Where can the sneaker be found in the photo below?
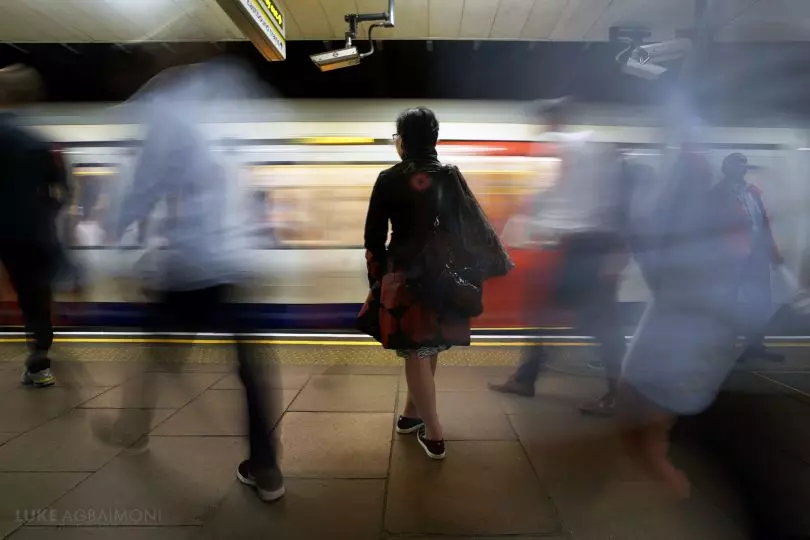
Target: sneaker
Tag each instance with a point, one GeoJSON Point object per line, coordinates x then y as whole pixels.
{"type": "Point", "coordinates": [407, 425]}
{"type": "Point", "coordinates": [38, 379]}
{"type": "Point", "coordinates": [269, 483]}
{"type": "Point", "coordinates": [596, 365]}
{"type": "Point", "coordinates": [434, 449]}
{"type": "Point", "coordinates": [513, 386]}
{"type": "Point", "coordinates": [759, 352]}
{"type": "Point", "coordinates": [605, 407]}
{"type": "Point", "coordinates": [138, 447]}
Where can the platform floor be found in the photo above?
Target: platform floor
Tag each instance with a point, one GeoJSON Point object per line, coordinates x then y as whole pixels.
{"type": "Point", "coordinates": [516, 467]}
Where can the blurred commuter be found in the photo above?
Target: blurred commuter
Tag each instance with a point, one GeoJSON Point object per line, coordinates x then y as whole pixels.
{"type": "Point", "coordinates": [425, 201]}
{"type": "Point", "coordinates": [33, 187]}
{"type": "Point", "coordinates": [582, 216]}
{"type": "Point", "coordinates": [740, 214]}
{"type": "Point", "coordinates": [205, 260]}
{"type": "Point", "coordinates": [683, 348]}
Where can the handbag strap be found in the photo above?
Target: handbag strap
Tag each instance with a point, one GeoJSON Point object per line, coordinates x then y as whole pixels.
{"type": "Point", "coordinates": [446, 173]}
{"type": "Point", "coordinates": [439, 200]}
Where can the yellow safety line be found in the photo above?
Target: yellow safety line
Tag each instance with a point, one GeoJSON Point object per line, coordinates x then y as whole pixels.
{"type": "Point", "coordinates": [783, 385]}
{"type": "Point", "coordinates": [335, 342]}
{"type": "Point", "coordinates": [339, 343]}
{"type": "Point", "coordinates": [523, 328]}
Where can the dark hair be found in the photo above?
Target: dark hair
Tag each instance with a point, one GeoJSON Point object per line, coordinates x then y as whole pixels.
{"type": "Point", "coordinates": [418, 128]}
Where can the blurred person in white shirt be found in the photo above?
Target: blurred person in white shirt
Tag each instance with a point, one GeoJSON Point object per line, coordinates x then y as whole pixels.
{"type": "Point", "coordinates": [581, 215]}
{"type": "Point", "coordinates": [203, 260]}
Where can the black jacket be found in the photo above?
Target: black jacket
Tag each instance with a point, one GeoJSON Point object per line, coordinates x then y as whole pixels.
{"type": "Point", "coordinates": [33, 185]}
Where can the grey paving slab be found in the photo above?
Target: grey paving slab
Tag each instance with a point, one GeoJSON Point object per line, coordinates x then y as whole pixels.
{"type": "Point", "coordinates": [555, 392]}
{"type": "Point", "coordinates": [469, 416]}
{"type": "Point", "coordinates": [73, 373]}
{"type": "Point", "coordinates": [348, 393]}
{"type": "Point", "coordinates": [709, 478]}
{"type": "Point", "coordinates": [219, 412]}
{"type": "Point", "coordinates": [796, 382]}
{"type": "Point", "coordinates": [466, 378]}
{"type": "Point", "coordinates": [481, 488]}
{"type": "Point", "coordinates": [25, 408]}
{"type": "Point", "coordinates": [171, 390]}
{"type": "Point", "coordinates": [637, 511]}
{"type": "Point", "coordinates": [456, 537]}
{"type": "Point", "coordinates": [178, 481]}
{"type": "Point", "coordinates": [311, 509]}
{"type": "Point", "coordinates": [68, 443]}
{"type": "Point", "coordinates": [5, 437]}
{"type": "Point", "coordinates": [567, 445]}
{"type": "Point", "coordinates": [286, 377]}
{"type": "Point", "coordinates": [27, 496]}
{"type": "Point", "coordinates": [106, 533]}
{"type": "Point", "coordinates": [336, 445]}
{"type": "Point", "coordinates": [363, 370]}
{"type": "Point", "coordinates": [7, 527]}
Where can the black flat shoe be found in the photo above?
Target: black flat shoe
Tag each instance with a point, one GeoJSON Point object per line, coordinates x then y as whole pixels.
{"type": "Point", "coordinates": [433, 449]}
{"type": "Point", "coordinates": [407, 425]}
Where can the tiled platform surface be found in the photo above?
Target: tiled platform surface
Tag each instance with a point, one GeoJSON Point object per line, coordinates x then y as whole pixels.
{"type": "Point", "coordinates": [516, 467]}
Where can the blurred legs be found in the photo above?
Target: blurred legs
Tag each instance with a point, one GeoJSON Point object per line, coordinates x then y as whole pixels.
{"type": "Point", "coordinates": [29, 269]}
{"type": "Point", "coordinates": [646, 436]}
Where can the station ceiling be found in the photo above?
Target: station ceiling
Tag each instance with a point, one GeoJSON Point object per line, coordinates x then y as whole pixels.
{"type": "Point", "coordinates": [121, 21]}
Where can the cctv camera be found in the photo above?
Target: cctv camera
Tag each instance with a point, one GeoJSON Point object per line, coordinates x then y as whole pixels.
{"type": "Point", "coordinates": [662, 52]}
{"type": "Point", "coordinates": [644, 71]}
{"type": "Point", "coordinates": [340, 58]}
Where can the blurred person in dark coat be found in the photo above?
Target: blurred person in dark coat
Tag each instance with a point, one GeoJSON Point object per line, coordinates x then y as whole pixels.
{"type": "Point", "coordinates": [741, 216]}
{"type": "Point", "coordinates": [33, 187]}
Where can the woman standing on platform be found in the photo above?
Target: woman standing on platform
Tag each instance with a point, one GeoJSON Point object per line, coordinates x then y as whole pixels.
{"type": "Point", "coordinates": [425, 201]}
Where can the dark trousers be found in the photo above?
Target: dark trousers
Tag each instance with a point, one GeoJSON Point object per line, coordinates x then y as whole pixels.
{"type": "Point", "coordinates": [30, 270]}
{"type": "Point", "coordinates": [209, 310]}
{"type": "Point", "coordinates": [593, 299]}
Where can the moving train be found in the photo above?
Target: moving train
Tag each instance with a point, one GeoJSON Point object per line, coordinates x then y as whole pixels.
{"type": "Point", "coordinates": [310, 166]}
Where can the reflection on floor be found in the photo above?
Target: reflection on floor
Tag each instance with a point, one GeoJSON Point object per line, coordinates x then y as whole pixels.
{"type": "Point", "coordinates": [516, 467]}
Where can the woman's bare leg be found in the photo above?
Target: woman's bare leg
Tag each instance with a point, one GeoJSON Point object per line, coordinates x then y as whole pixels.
{"type": "Point", "coordinates": [422, 391]}
{"type": "Point", "coordinates": [654, 439]}
{"type": "Point", "coordinates": [645, 433]}
{"type": "Point", "coordinates": [410, 410]}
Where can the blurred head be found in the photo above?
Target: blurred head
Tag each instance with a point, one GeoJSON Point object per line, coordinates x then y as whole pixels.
{"type": "Point", "coordinates": [417, 132]}
{"type": "Point", "coordinates": [554, 113]}
{"type": "Point", "coordinates": [19, 85]}
{"type": "Point", "coordinates": [222, 79]}
{"type": "Point", "coordinates": [735, 166]}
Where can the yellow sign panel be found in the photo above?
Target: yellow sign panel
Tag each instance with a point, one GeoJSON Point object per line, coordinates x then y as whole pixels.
{"type": "Point", "coordinates": [275, 15]}
{"type": "Point", "coordinates": [261, 22]}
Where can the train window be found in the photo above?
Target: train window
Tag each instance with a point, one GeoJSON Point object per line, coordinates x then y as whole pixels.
{"type": "Point", "coordinates": [324, 205]}
{"type": "Point", "coordinates": [94, 186]}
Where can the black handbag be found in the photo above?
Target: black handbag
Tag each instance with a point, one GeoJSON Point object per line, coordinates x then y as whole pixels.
{"type": "Point", "coordinates": [368, 320]}
{"type": "Point", "coordinates": [444, 276]}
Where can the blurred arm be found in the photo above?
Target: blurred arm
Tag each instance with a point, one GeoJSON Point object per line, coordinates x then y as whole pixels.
{"type": "Point", "coordinates": [376, 233]}
{"type": "Point", "coordinates": [58, 184]}
{"type": "Point", "coordinates": [776, 255]}
{"type": "Point", "coordinates": [157, 165]}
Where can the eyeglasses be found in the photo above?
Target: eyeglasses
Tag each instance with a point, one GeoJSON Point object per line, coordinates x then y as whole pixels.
{"type": "Point", "coordinates": [394, 137]}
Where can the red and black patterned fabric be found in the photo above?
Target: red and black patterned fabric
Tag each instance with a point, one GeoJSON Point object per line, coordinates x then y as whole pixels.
{"type": "Point", "coordinates": [405, 196]}
{"type": "Point", "coordinates": [392, 316]}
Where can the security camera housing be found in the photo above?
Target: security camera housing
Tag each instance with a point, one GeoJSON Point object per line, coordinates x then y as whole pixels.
{"type": "Point", "coordinates": [664, 51]}
{"type": "Point", "coordinates": [650, 72]}
{"type": "Point", "coordinates": [332, 60]}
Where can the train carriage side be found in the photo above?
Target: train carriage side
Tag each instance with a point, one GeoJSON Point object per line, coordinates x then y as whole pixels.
{"type": "Point", "coordinates": [310, 173]}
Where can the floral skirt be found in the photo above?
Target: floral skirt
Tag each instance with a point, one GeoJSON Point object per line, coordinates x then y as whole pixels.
{"type": "Point", "coordinates": [421, 352]}
{"type": "Point", "coordinates": [400, 322]}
